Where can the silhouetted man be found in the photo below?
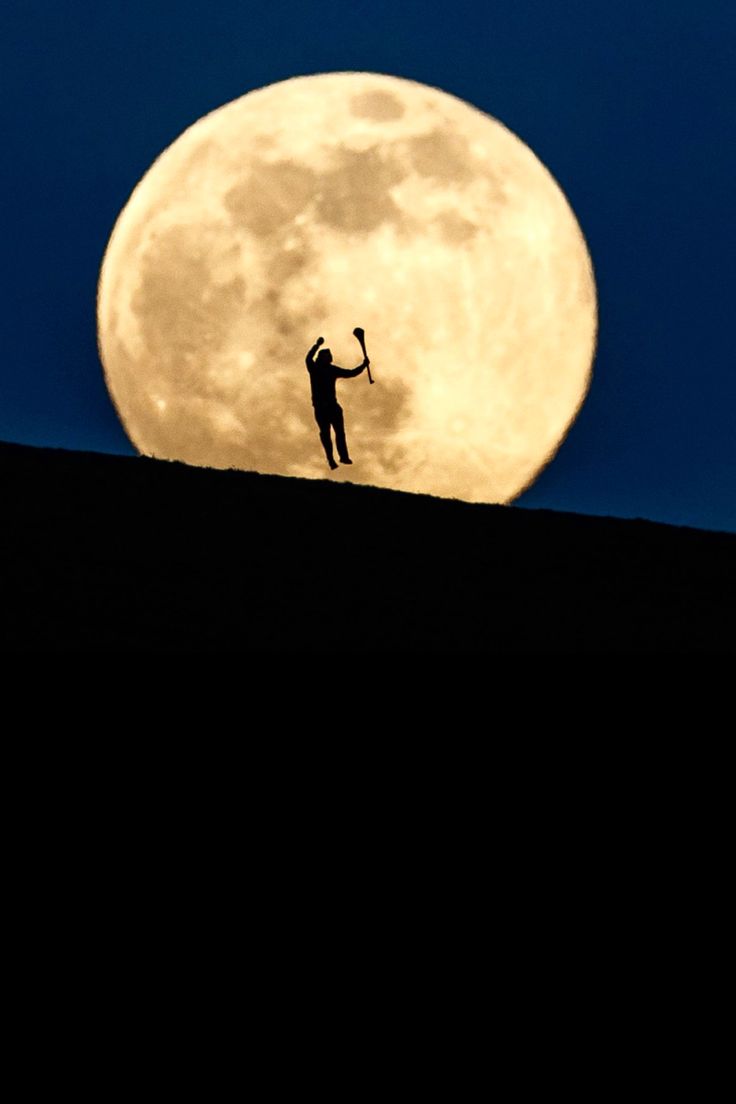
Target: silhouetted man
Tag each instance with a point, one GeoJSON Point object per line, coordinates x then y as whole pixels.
{"type": "Point", "coordinates": [327, 410]}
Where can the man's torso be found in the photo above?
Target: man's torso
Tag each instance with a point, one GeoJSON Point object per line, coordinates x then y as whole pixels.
{"type": "Point", "coordinates": [322, 380]}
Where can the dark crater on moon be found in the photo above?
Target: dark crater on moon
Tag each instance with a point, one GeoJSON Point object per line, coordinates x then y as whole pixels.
{"type": "Point", "coordinates": [272, 196]}
{"type": "Point", "coordinates": [354, 195]}
{"type": "Point", "coordinates": [379, 106]}
{"type": "Point", "coordinates": [443, 156]}
{"type": "Point", "coordinates": [455, 229]}
{"type": "Point", "coordinates": [198, 155]}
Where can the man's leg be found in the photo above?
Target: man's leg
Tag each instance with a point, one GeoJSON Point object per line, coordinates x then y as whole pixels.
{"type": "Point", "coordinates": [338, 421]}
{"type": "Point", "coordinates": [325, 436]}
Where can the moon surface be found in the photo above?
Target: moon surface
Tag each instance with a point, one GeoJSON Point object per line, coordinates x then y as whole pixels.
{"type": "Point", "coordinates": [326, 202]}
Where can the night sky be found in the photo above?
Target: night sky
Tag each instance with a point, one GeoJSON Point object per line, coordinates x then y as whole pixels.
{"type": "Point", "coordinates": [629, 103]}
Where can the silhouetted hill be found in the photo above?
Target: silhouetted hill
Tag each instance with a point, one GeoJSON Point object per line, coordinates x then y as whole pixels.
{"type": "Point", "coordinates": [119, 552]}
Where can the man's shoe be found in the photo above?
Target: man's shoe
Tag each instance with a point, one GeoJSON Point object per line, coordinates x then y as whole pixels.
{"type": "Point", "coordinates": [347, 460]}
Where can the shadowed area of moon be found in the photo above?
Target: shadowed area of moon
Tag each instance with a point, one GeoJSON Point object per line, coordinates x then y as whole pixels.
{"type": "Point", "coordinates": [271, 196]}
{"type": "Point", "coordinates": [355, 193]}
{"type": "Point", "coordinates": [443, 156]}
{"type": "Point", "coordinates": [322, 203]}
{"type": "Point", "coordinates": [379, 106]}
{"type": "Point", "coordinates": [455, 228]}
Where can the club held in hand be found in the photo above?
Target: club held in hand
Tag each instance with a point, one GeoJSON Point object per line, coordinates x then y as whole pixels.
{"type": "Point", "coordinates": [359, 332]}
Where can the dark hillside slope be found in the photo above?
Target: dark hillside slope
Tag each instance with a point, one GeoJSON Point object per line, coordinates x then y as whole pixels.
{"type": "Point", "coordinates": [119, 552]}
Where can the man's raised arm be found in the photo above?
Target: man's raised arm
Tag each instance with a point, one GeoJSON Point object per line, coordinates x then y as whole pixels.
{"type": "Point", "coordinates": [345, 373]}
{"type": "Point", "coordinates": [310, 355]}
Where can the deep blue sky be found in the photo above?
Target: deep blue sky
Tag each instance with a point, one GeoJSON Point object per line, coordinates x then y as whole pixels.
{"type": "Point", "coordinates": [629, 103]}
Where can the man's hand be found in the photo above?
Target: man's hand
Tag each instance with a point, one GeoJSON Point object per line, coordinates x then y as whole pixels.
{"type": "Point", "coordinates": [366, 362]}
{"type": "Point", "coordinates": [320, 341]}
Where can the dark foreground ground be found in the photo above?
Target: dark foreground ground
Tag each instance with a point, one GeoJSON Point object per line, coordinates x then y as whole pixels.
{"type": "Point", "coordinates": [116, 552]}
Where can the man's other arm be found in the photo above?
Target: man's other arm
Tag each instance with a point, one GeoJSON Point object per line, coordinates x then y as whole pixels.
{"type": "Point", "coordinates": [310, 355]}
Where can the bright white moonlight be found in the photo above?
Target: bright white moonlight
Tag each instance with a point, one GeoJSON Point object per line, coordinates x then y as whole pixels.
{"type": "Point", "coordinates": [351, 199]}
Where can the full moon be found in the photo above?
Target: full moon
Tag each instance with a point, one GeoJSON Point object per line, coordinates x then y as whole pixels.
{"type": "Point", "coordinates": [327, 202]}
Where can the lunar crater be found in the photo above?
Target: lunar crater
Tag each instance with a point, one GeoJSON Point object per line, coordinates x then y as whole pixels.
{"type": "Point", "coordinates": [455, 229]}
{"type": "Point", "coordinates": [442, 155]}
{"type": "Point", "coordinates": [271, 196]}
{"type": "Point", "coordinates": [355, 193]}
{"type": "Point", "coordinates": [376, 105]}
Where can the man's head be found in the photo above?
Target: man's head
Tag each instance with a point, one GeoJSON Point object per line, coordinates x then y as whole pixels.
{"type": "Point", "coordinates": [324, 356]}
